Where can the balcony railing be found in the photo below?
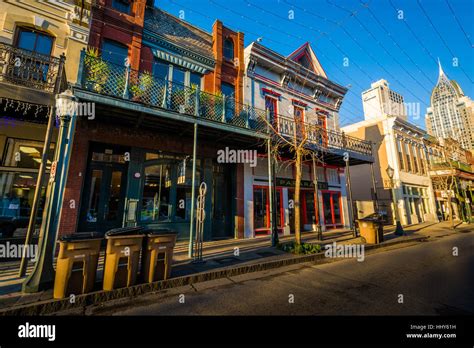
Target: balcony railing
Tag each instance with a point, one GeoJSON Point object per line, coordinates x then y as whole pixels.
{"type": "Point", "coordinates": [321, 138]}
{"type": "Point", "coordinates": [29, 69]}
{"type": "Point", "coordinates": [119, 81]}
{"type": "Point", "coordinates": [454, 165]}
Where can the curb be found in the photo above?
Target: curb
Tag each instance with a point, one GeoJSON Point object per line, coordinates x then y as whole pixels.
{"type": "Point", "coordinates": [94, 298]}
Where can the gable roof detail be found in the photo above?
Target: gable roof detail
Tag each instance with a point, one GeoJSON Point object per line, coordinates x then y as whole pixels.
{"type": "Point", "coordinates": [305, 56]}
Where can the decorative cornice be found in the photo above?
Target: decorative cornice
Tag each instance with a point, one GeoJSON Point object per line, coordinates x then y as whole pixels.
{"type": "Point", "coordinates": [160, 42]}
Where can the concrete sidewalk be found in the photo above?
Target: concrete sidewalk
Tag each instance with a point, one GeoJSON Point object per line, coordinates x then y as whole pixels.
{"type": "Point", "coordinates": [252, 256]}
{"type": "Point", "coordinates": [217, 254]}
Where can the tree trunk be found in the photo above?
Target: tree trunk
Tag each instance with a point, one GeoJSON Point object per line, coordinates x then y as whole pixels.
{"type": "Point", "coordinates": [297, 198]}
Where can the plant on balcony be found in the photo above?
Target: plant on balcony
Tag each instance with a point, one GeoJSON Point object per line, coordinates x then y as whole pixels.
{"type": "Point", "coordinates": [97, 70]}
{"type": "Point", "coordinates": [178, 99]}
{"type": "Point", "coordinates": [141, 90]}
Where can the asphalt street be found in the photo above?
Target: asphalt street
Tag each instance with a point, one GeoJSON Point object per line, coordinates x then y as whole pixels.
{"type": "Point", "coordinates": [420, 279]}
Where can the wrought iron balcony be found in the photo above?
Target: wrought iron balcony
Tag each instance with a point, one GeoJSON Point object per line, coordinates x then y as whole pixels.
{"type": "Point", "coordinates": [105, 78]}
{"type": "Point", "coordinates": [319, 137]}
{"type": "Point", "coordinates": [25, 68]}
{"type": "Point", "coordinates": [436, 165]}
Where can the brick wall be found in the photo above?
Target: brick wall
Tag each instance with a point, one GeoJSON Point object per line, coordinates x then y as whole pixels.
{"type": "Point", "coordinates": [87, 132]}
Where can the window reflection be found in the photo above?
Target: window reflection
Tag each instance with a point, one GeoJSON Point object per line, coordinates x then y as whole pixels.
{"type": "Point", "coordinates": [167, 188]}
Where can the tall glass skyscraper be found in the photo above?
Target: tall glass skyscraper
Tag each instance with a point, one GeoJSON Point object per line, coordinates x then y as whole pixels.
{"type": "Point", "coordinates": [451, 113]}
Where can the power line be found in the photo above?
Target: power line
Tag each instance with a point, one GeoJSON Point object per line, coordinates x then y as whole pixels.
{"type": "Point", "coordinates": [468, 38]}
{"type": "Point", "coordinates": [337, 46]}
{"type": "Point", "coordinates": [275, 41]}
{"type": "Point", "coordinates": [439, 35]}
{"type": "Point", "coordinates": [361, 23]}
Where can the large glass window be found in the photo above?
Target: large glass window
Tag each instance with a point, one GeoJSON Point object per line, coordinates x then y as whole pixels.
{"type": "Point", "coordinates": [310, 207]}
{"type": "Point", "coordinates": [271, 108]}
{"type": "Point", "coordinates": [114, 52]}
{"type": "Point", "coordinates": [167, 188]}
{"type": "Point", "coordinates": [184, 190]}
{"type": "Point", "coordinates": [229, 91]}
{"type": "Point", "coordinates": [400, 155]}
{"type": "Point", "coordinates": [195, 79]}
{"type": "Point", "coordinates": [260, 205]}
{"type": "Point", "coordinates": [35, 41]}
{"type": "Point", "coordinates": [121, 5]}
{"type": "Point", "coordinates": [161, 70]}
{"type": "Point", "coordinates": [408, 157]}
{"type": "Point", "coordinates": [21, 161]}
{"type": "Point", "coordinates": [178, 75]}
{"type": "Point", "coordinates": [156, 205]}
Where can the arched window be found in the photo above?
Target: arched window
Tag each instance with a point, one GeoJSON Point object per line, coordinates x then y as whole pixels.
{"type": "Point", "coordinates": [229, 49]}
{"type": "Point", "coordinates": [35, 41]}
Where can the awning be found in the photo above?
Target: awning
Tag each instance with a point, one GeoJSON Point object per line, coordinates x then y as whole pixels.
{"type": "Point", "coordinates": [181, 61]}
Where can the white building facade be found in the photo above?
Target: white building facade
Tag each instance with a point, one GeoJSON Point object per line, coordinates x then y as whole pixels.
{"type": "Point", "coordinates": [295, 89]}
{"type": "Point", "coordinates": [380, 101]}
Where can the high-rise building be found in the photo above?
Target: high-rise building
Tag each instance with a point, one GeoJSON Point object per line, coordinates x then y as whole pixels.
{"type": "Point", "coordinates": [451, 113]}
{"type": "Point", "coordinates": [380, 101]}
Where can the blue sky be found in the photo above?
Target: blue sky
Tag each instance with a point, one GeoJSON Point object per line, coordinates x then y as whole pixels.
{"type": "Point", "coordinates": [374, 37]}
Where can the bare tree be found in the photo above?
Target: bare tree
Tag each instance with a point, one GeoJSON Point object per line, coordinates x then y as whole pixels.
{"type": "Point", "coordinates": [296, 138]}
{"type": "Point", "coordinates": [444, 175]}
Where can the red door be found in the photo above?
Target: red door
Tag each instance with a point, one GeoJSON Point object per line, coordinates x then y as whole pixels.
{"type": "Point", "coordinates": [332, 208]}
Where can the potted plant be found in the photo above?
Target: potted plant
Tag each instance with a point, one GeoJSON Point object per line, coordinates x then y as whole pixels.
{"type": "Point", "coordinates": [141, 90]}
{"type": "Point", "coordinates": [97, 70]}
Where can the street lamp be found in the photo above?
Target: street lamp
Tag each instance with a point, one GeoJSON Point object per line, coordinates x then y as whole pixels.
{"type": "Point", "coordinates": [42, 276]}
{"type": "Point", "coordinates": [399, 229]}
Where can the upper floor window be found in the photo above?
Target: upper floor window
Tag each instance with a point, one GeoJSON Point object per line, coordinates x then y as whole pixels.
{"type": "Point", "coordinates": [228, 89]}
{"type": "Point", "coordinates": [271, 108]}
{"type": "Point", "coordinates": [299, 113]}
{"type": "Point", "coordinates": [229, 49]}
{"type": "Point", "coordinates": [195, 79]}
{"type": "Point", "coordinates": [178, 75]}
{"type": "Point", "coordinates": [35, 41]}
{"type": "Point", "coordinates": [161, 70]}
{"type": "Point", "coordinates": [114, 52]}
{"type": "Point", "coordinates": [400, 155]}
{"type": "Point", "coordinates": [408, 157]}
{"type": "Point", "coordinates": [121, 5]}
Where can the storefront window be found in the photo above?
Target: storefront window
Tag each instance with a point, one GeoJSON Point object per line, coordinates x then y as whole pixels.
{"type": "Point", "coordinates": [156, 205]}
{"type": "Point", "coordinates": [260, 199]}
{"type": "Point", "coordinates": [183, 191]}
{"type": "Point", "coordinates": [94, 196]}
{"type": "Point", "coordinates": [167, 188]}
{"type": "Point", "coordinates": [25, 154]}
{"type": "Point", "coordinates": [17, 190]}
{"type": "Point", "coordinates": [310, 210]}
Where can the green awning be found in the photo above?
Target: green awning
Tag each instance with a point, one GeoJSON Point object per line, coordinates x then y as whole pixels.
{"type": "Point", "coordinates": [181, 61]}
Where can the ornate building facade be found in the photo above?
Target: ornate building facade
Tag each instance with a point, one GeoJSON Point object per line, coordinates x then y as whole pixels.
{"type": "Point", "coordinates": [451, 113]}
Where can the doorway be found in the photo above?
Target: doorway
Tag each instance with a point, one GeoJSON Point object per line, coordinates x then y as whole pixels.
{"type": "Point", "coordinates": [222, 202]}
{"type": "Point", "coordinates": [332, 208]}
{"type": "Point", "coordinates": [104, 191]}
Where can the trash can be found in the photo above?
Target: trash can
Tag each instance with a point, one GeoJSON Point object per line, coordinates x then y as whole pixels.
{"type": "Point", "coordinates": [371, 228]}
{"type": "Point", "coordinates": [158, 255]}
{"type": "Point", "coordinates": [76, 264]}
{"type": "Point", "coordinates": [122, 257]}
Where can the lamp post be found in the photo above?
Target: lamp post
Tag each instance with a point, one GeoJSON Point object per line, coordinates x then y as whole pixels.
{"type": "Point", "coordinates": [399, 229]}
{"type": "Point", "coordinates": [42, 276]}
{"type": "Point", "coordinates": [464, 186]}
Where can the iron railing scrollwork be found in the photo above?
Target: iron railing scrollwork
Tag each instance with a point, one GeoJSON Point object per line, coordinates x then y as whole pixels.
{"type": "Point", "coordinates": [122, 82]}
{"type": "Point", "coordinates": [29, 69]}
